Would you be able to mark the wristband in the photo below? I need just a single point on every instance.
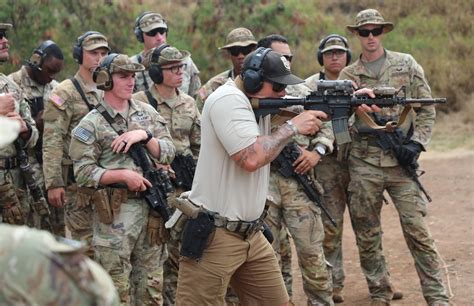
(148, 138)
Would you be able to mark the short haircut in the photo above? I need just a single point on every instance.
(267, 41)
(53, 51)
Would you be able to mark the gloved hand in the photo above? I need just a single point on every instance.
(408, 153)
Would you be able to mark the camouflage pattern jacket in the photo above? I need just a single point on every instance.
(182, 117)
(91, 142)
(211, 85)
(62, 112)
(399, 69)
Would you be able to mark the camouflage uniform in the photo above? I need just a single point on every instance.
(32, 91)
(13, 194)
(211, 85)
(184, 123)
(372, 171)
(334, 178)
(123, 247)
(302, 217)
(35, 269)
(63, 111)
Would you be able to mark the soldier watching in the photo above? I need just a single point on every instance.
(151, 29)
(239, 42)
(127, 238)
(36, 78)
(69, 102)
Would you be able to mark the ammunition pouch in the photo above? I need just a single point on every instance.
(156, 231)
(196, 235)
(9, 163)
(10, 204)
(101, 202)
(41, 207)
(68, 172)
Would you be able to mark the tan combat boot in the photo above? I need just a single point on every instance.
(337, 295)
(397, 294)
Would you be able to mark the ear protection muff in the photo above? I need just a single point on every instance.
(323, 41)
(154, 71)
(138, 32)
(102, 75)
(36, 59)
(252, 76)
(77, 49)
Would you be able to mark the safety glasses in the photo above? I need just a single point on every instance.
(235, 51)
(366, 33)
(155, 31)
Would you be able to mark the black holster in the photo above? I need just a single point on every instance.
(196, 235)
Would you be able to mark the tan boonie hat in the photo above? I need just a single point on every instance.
(172, 55)
(370, 16)
(334, 43)
(5, 26)
(122, 63)
(152, 21)
(239, 37)
(95, 41)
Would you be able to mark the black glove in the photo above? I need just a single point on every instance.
(407, 154)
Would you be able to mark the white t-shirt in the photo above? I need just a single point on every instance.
(228, 125)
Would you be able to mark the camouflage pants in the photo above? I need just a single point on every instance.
(334, 176)
(78, 216)
(170, 273)
(285, 258)
(123, 250)
(366, 187)
(13, 197)
(303, 220)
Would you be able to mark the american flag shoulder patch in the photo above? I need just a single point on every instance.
(82, 134)
(57, 101)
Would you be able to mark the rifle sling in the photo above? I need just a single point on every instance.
(81, 92)
(113, 123)
(389, 126)
(152, 100)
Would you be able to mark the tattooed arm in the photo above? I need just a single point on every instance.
(266, 148)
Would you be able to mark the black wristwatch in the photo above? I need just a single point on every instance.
(149, 136)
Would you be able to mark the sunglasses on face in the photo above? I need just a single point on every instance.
(366, 33)
(277, 87)
(288, 57)
(3, 34)
(235, 51)
(155, 31)
(176, 68)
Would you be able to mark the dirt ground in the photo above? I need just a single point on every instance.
(449, 180)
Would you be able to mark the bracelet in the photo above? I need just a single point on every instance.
(148, 138)
(292, 127)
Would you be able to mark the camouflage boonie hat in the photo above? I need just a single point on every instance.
(95, 41)
(370, 16)
(334, 43)
(5, 26)
(239, 37)
(171, 55)
(122, 63)
(152, 21)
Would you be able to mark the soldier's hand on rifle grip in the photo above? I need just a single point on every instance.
(309, 122)
(408, 153)
(135, 181)
(57, 197)
(7, 103)
(306, 161)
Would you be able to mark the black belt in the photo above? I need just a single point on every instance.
(8, 163)
(242, 228)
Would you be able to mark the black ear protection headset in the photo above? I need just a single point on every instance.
(252, 76)
(137, 30)
(36, 59)
(77, 50)
(319, 54)
(102, 75)
(154, 71)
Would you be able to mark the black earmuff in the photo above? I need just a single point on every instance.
(102, 75)
(36, 59)
(323, 41)
(154, 71)
(77, 50)
(252, 76)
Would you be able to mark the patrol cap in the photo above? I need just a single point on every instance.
(122, 63)
(334, 43)
(5, 26)
(276, 68)
(370, 16)
(152, 21)
(95, 41)
(239, 37)
(171, 55)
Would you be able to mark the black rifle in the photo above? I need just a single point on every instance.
(155, 195)
(284, 162)
(37, 106)
(40, 206)
(336, 99)
(184, 167)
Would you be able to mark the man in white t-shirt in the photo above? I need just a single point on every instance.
(231, 184)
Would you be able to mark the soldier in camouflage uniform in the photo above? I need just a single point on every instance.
(291, 207)
(35, 269)
(373, 170)
(151, 29)
(36, 79)
(62, 112)
(239, 42)
(128, 236)
(13, 196)
(184, 123)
